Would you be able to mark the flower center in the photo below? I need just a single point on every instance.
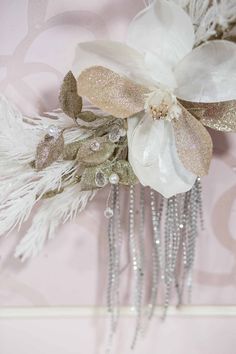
(162, 104)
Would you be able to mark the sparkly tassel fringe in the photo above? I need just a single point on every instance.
(174, 232)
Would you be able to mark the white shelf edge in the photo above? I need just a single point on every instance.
(90, 311)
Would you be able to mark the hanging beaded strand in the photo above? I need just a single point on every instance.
(138, 253)
(114, 243)
(157, 270)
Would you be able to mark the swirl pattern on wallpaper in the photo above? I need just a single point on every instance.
(31, 70)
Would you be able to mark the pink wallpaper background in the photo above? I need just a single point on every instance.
(38, 39)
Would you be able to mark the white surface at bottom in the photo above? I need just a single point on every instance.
(177, 335)
(94, 311)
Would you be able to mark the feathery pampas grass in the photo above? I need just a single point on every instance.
(21, 187)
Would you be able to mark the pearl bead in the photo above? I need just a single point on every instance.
(114, 178)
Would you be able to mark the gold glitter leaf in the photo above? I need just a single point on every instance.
(111, 92)
(88, 179)
(70, 150)
(48, 151)
(193, 143)
(88, 116)
(125, 172)
(71, 102)
(216, 115)
(90, 157)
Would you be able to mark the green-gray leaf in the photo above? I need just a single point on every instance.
(71, 102)
(92, 158)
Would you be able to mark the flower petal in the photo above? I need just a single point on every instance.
(115, 56)
(208, 73)
(153, 156)
(216, 115)
(164, 29)
(110, 92)
(193, 143)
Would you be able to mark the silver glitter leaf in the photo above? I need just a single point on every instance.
(48, 151)
(89, 157)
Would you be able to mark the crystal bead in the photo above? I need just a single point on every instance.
(122, 132)
(114, 178)
(53, 131)
(100, 179)
(95, 145)
(108, 213)
(114, 134)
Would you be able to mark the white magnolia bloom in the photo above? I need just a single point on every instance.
(159, 54)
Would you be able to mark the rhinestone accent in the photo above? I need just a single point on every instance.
(95, 145)
(100, 179)
(53, 131)
(108, 213)
(122, 132)
(114, 134)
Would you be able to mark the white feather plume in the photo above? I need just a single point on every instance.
(21, 187)
(207, 14)
(61, 208)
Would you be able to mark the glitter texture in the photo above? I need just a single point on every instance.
(48, 151)
(71, 102)
(91, 157)
(193, 143)
(216, 115)
(111, 92)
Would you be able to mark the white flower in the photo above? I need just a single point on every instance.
(159, 54)
(162, 104)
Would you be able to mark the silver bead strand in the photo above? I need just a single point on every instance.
(140, 265)
(113, 268)
(134, 257)
(117, 245)
(192, 237)
(156, 250)
(168, 234)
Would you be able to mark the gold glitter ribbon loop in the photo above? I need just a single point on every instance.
(111, 92)
(216, 115)
(193, 143)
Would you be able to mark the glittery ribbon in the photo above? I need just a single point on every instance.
(193, 143)
(111, 92)
(216, 115)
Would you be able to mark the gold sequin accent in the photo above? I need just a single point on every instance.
(193, 143)
(110, 92)
(216, 115)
